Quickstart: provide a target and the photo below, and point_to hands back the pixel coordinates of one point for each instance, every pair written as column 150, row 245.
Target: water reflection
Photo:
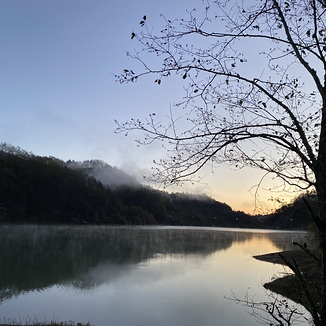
column 83, row 257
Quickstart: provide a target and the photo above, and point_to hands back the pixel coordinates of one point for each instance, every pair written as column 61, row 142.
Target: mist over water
column 134, row 275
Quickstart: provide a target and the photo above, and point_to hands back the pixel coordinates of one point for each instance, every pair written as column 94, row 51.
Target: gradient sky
column 58, row 95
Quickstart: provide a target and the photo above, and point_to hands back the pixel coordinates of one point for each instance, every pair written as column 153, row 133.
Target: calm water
column 123, row 276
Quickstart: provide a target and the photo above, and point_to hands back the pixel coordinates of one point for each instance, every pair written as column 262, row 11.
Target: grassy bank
column 35, row 323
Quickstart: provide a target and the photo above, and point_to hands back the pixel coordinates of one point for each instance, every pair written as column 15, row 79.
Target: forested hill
column 35, row 189
column 295, row 215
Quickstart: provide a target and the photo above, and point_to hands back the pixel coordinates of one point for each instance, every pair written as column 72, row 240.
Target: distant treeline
column 295, row 215
column 36, row 189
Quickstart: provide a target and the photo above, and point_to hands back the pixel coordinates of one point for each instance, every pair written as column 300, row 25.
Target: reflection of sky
column 183, row 290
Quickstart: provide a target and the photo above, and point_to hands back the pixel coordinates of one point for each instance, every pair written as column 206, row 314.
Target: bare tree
column 254, row 75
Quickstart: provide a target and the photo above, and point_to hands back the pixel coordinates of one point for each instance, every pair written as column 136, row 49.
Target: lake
column 132, row 276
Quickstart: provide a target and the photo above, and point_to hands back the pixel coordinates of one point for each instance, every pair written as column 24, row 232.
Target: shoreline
column 288, row 286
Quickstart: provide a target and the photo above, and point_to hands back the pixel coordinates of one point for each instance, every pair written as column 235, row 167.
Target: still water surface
column 130, row 276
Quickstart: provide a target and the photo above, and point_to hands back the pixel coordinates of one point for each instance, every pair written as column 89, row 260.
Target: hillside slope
column 36, row 189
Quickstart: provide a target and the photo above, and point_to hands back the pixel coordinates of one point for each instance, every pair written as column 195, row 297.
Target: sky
column 59, row 97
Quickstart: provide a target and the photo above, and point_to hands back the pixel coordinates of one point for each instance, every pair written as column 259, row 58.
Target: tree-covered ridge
column 43, row 189
column 35, row 189
column 296, row 214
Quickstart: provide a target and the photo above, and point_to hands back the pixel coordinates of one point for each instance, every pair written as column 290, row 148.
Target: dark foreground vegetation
column 36, row 189
column 289, row 285
column 45, row 324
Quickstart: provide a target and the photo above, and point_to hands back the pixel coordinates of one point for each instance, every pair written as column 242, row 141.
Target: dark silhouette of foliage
column 293, row 216
column 44, row 190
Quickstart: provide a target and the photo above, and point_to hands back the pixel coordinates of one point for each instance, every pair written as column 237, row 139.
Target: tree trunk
column 320, row 224
column 322, row 240
column 323, row 301
column 320, row 174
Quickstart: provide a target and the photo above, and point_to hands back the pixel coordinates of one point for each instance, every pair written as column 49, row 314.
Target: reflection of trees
column 35, row 257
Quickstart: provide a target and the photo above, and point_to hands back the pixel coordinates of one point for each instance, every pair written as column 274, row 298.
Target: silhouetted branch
column 275, row 312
